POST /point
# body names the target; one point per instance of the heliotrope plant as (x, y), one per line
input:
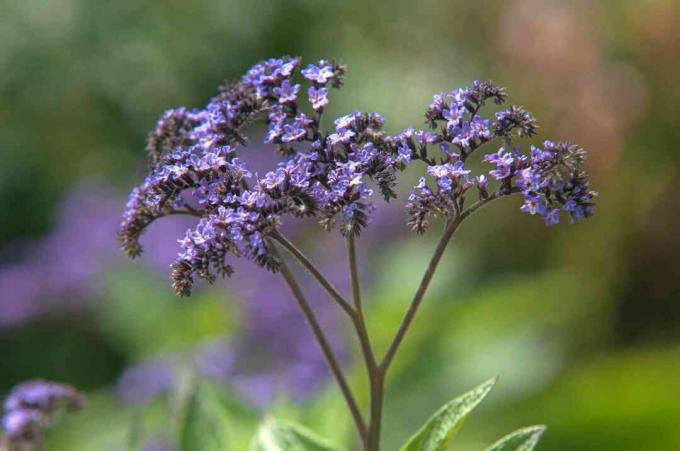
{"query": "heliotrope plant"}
(334, 176)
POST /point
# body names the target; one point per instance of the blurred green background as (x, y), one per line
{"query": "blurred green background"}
(582, 323)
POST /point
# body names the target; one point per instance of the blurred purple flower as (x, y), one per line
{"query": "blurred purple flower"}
(159, 444)
(61, 270)
(58, 269)
(31, 406)
(145, 381)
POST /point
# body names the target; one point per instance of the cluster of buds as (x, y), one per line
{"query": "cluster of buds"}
(194, 168)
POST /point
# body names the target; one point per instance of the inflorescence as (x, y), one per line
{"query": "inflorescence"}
(331, 175)
(32, 406)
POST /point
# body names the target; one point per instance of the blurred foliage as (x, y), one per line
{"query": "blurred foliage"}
(581, 323)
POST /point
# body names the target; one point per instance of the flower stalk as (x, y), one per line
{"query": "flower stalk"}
(326, 348)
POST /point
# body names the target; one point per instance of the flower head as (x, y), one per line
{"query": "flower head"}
(331, 175)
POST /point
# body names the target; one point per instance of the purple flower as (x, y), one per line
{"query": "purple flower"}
(459, 96)
(425, 138)
(144, 382)
(437, 107)
(274, 133)
(530, 181)
(503, 161)
(159, 444)
(533, 204)
(287, 92)
(551, 216)
(404, 154)
(20, 422)
(293, 132)
(318, 97)
(32, 405)
(447, 174)
(341, 137)
(320, 74)
(471, 133)
(570, 204)
(269, 73)
(347, 122)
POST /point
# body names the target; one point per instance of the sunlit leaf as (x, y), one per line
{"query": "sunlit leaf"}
(524, 439)
(436, 434)
(276, 435)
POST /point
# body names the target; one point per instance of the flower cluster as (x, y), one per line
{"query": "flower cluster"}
(32, 406)
(551, 179)
(331, 176)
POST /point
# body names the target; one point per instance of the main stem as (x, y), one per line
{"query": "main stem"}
(375, 374)
(323, 343)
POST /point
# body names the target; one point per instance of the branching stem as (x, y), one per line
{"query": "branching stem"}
(370, 435)
(314, 271)
(328, 353)
(449, 229)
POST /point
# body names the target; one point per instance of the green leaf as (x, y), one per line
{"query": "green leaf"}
(277, 435)
(520, 440)
(436, 434)
(204, 426)
(212, 421)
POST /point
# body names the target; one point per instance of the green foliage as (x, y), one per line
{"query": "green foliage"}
(524, 439)
(276, 435)
(438, 431)
(214, 422)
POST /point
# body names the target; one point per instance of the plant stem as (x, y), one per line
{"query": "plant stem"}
(449, 229)
(360, 322)
(376, 372)
(375, 418)
(493, 196)
(375, 375)
(309, 266)
(323, 343)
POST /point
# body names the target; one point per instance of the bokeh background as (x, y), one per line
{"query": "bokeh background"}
(582, 322)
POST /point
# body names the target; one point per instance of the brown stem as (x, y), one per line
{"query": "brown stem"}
(309, 266)
(449, 230)
(323, 343)
(375, 376)
(375, 419)
(376, 372)
(420, 292)
(356, 315)
(360, 322)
